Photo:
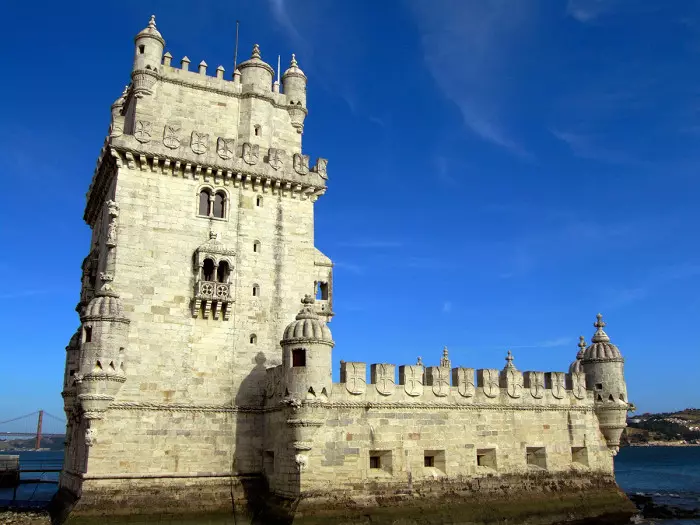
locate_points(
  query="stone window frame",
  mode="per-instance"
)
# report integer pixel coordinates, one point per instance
(213, 190)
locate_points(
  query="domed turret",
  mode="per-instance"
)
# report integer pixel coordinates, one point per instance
(104, 337)
(306, 354)
(254, 72)
(577, 365)
(294, 84)
(603, 365)
(149, 45)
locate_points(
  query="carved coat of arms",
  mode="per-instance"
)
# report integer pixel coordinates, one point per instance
(301, 163)
(355, 381)
(465, 382)
(490, 382)
(578, 384)
(275, 157)
(413, 380)
(514, 383)
(224, 148)
(440, 380)
(536, 384)
(321, 165)
(251, 153)
(142, 131)
(270, 383)
(199, 141)
(384, 379)
(558, 387)
(171, 136)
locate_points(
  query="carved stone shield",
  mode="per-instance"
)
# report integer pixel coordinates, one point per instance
(412, 376)
(251, 153)
(536, 380)
(224, 148)
(439, 378)
(355, 377)
(464, 380)
(321, 165)
(199, 142)
(270, 382)
(142, 131)
(275, 158)
(489, 382)
(171, 136)
(301, 164)
(383, 378)
(578, 384)
(514, 383)
(557, 384)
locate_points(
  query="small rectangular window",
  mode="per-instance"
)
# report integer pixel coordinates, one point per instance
(486, 457)
(429, 461)
(375, 462)
(88, 334)
(579, 455)
(321, 291)
(142, 50)
(380, 462)
(299, 357)
(599, 386)
(269, 462)
(71, 373)
(536, 457)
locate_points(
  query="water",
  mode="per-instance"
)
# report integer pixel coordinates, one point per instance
(671, 475)
(44, 486)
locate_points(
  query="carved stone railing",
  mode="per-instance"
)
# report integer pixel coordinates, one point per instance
(214, 296)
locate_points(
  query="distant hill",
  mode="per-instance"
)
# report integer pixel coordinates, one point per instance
(28, 444)
(682, 426)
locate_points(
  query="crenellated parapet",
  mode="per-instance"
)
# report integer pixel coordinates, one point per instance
(459, 385)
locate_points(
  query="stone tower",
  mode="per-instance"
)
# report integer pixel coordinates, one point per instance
(603, 364)
(202, 216)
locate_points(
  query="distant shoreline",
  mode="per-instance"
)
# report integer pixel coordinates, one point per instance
(663, 444)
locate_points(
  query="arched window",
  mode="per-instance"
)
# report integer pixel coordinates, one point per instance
(204, 202)
(258, 201)
(208, 270)
(219, 204)
(253, 339)
(256, 290)
(256, 247)
(222, 272)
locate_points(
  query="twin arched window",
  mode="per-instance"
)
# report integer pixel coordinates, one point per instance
(212, 273)
(212, 205)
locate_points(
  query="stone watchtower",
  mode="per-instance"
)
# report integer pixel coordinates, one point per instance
(202, 216)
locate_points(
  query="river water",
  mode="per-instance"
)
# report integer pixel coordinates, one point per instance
(671, 475)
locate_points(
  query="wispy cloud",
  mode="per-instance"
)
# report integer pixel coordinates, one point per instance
(350, 267)
(466, 46)
(587, 147)
(446, 307)
(588, 10)
(26, 293)
(279, 12)
(618, 297)
(548, 343)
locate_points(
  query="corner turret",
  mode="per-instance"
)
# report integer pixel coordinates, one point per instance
(148, 54)
(104, 337)
(294, 84)
(306, 354)
(603, 365)
(256, 73)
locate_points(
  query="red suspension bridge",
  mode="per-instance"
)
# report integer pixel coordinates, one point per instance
(39, 424)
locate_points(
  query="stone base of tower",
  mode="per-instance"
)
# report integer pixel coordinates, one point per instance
(149, 500)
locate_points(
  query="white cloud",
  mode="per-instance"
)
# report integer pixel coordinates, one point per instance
(447, 307)
(587, 10)
(466, 47)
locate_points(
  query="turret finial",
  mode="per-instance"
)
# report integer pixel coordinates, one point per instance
(600, 336)
(294, 61)
(445, 361)
(420, 361)
(509, 360)
(581, 346)
(256, 52)
(152, 22)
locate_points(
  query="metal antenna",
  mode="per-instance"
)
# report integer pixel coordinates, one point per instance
(235, 50)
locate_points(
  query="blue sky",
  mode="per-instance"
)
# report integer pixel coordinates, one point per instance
(499, 172)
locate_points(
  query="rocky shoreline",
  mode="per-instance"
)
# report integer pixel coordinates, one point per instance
(24, 518)
(650, 509)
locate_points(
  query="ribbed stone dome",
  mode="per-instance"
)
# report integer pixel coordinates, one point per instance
(307, 326)
(601, 347)
(151, 30)
(105, 304)
(577, 366)
(294, 69)
(256, 60)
